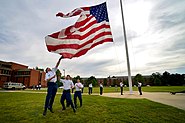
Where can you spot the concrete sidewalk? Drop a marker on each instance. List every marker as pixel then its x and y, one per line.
pixel 177 100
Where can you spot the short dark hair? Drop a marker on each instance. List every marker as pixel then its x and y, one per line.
pixel 46 69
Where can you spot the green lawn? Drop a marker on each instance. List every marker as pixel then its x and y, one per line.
pixel 26 107
pixel 146 89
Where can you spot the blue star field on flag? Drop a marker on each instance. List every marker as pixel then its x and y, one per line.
pixel 100 12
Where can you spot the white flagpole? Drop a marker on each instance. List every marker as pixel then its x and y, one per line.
pixel 126 47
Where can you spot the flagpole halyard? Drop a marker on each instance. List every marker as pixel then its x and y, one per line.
pixel 126 48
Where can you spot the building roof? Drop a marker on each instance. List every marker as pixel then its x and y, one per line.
pixel 3 62
pixel 18 64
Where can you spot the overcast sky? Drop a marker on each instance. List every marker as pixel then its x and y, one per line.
pixel 155 33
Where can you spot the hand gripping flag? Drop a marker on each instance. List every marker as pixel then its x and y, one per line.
pixel 91 29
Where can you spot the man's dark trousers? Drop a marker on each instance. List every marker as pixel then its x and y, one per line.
pixel 121 90
pixel 139 88
pixel 51 92
pixel 79 95
pixel 101 90
pixel 90 90
pixel 66 96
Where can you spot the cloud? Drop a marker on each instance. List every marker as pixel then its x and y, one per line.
pixel 162 47
pixel 159 47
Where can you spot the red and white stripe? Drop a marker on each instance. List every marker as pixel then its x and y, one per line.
pixel 77 39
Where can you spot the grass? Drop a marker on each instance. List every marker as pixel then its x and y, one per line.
pixel 27 108
pixel 145 89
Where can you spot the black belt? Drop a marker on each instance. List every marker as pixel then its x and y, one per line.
pixel 77 91
pixel 66 90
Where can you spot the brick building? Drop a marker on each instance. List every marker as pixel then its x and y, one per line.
pixel 14 72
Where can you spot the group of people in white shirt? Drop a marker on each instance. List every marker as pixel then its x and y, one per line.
pixel 66 95
pixel 51 79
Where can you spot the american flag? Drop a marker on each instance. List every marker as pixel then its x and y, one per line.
pixel 91 29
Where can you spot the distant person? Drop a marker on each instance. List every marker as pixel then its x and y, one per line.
pixel 66 95
pixel 139 88
pixel 78 87
pixel 90 88
pixel 101 88
pixel 83 88
pixel 121 87
pixel 116 88
pixel 51 79
pixel 73 90
pixel 173 93
pixel 39 86
pixel 33 87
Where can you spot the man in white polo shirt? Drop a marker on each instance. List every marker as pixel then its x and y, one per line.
pixel 78 93
pixel 51 79
pixel 66 95
pixel 101 87
pixel 139 87
pixel 121 87
pixel 90 88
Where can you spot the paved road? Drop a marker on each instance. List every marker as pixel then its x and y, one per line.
pixel 177 100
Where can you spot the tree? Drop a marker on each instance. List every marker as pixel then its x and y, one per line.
pixel 176 79
pixel 172 79
pixel 58 74
pixel 156 78
pixel 166 78
pixel 105 82
pixel 75 79
pixel 138 78
pixel 92 80
pixel 40 69
pixel 114 82
pixel 179 79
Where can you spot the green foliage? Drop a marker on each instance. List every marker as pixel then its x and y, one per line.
pixel 75 79
pixel 138 78
pixel 92 80
pixel 167 79
pixel 105 82
pixel 58 74
pixel 114 82
pixel 156 78
pixel 157 81
pixel 28 108
pixel 40 69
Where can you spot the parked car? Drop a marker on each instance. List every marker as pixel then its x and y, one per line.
pixel 13 85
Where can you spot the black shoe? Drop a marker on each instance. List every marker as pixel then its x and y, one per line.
pixel 76 106
pixel 44 113
pixel 63 108
pixel 51 110
pixel 74 110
